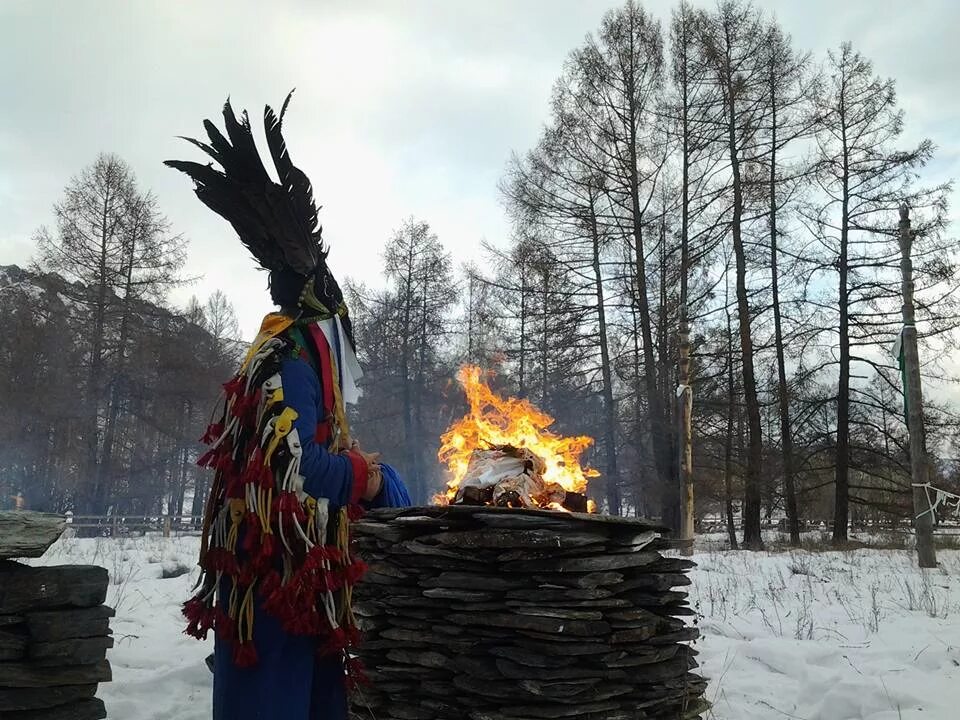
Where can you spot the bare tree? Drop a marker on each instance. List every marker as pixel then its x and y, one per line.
pixel 112 239
pixel 732 40
pixel 863 179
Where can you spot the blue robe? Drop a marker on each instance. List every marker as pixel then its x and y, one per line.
pixel 289 681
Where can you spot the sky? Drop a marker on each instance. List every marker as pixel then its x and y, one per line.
pixel 402 108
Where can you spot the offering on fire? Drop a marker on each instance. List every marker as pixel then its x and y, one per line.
pixel 502 452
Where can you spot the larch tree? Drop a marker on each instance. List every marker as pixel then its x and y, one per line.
pixel 863 179
pixel 732 40
pixel 112 239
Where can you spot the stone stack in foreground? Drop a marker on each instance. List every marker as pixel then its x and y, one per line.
pixel 54 628
pixel 503 614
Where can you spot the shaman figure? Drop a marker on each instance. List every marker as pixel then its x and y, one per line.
pixel 276 566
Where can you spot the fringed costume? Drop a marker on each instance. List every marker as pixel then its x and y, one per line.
pixel 277 570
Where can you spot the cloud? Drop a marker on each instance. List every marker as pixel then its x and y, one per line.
pixel 401 108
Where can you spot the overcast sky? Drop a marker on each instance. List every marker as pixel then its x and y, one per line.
pixel 402 108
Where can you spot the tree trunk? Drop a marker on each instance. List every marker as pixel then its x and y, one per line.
pixel 104 469
pixel 685 429
pixel 544 341
pixel 841 507
pixel 661 440
pixel 728 440
pixel 751 501
pixel 783 396
pixel 92 432
pixel 522 379
pixel 609 409
pixel 919 464
pixel 408 433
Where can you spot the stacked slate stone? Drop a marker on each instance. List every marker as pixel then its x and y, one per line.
pixel 509 614
pixel 54 628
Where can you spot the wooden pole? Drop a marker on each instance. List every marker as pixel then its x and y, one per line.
pixel 685 444
pixel 923 513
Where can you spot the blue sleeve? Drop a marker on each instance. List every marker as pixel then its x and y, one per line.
pixel 393 493
pixel 325 475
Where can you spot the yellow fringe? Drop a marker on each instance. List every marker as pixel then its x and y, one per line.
pixel 345 616
pixel 339 413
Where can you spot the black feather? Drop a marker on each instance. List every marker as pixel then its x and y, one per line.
pixel 283 110
pixel 295 184
pixel 277 223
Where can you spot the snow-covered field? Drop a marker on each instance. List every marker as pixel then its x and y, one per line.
pixel 799 635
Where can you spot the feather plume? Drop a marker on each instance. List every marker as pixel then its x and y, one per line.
pixel 277 223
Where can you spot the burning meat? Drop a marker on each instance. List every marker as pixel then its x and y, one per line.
pixel 504 453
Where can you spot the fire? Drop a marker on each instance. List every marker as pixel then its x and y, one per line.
pixel 498 421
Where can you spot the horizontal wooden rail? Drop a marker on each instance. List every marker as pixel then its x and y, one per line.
pixel 122 524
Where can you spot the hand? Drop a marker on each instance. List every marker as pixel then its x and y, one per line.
pixel 371 459
pixel 374 476
pixel 374 483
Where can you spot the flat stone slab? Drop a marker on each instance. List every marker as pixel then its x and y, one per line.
pixel 78 651
pixel 40 588
pixel 13 642
pixel 28 534
pixel 53 625
pixel 89 709
pixel 40 698
pixel 27 675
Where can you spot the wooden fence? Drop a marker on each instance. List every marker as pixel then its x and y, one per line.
pixel 134 525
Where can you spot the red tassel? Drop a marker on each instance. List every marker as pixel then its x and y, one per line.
pixel 207 459
pixel 252 533
pixel 253 402
pixel 234 386
pixel 200 617
pixel 335 581
pixel 356 674
pixel 355 571
pixel 225 460
pixel 335 642
pixel 225 625
pixel 271 581
pixel 253 470
pixel 289 507
pixel 355 512
pixel 239 407
pixel 268 547
pixel 228 564
pixel 211 561
pixel 244 654
pixel 212 433
pixel 278 601
pixel 287 502
pixel 312 562
pixel 266 477
pixel 234 484
pixel 247 576
pixel 353 636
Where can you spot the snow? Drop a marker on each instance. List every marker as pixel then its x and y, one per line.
pixel 861 634
pixel 856 635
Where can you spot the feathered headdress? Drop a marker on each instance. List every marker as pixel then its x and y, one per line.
pixel 277 223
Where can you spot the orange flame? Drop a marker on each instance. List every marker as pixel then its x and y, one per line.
pixel 494 420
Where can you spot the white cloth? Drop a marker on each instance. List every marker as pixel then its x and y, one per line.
pixel 348 368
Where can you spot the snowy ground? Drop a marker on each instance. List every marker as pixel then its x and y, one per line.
pixel 859 635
